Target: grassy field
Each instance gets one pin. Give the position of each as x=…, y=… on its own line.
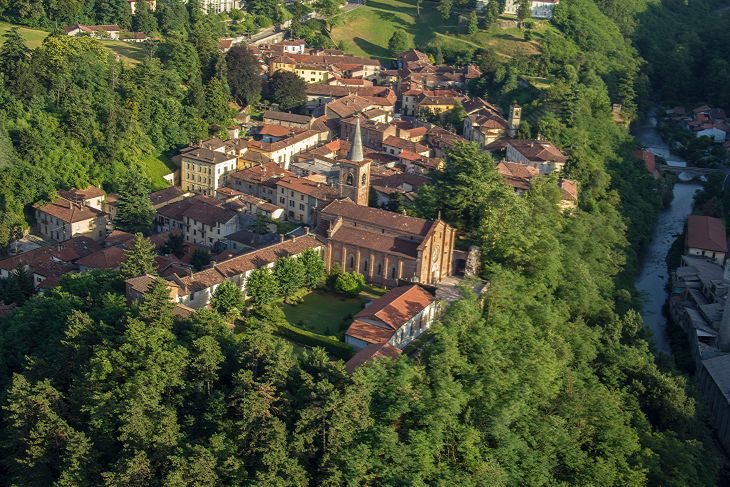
x=33, y=37
x=327, y=313
x=155, y=168
x=367, y=29
x=129, y=52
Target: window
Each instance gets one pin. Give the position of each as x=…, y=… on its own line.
x=301, y=206
x=363, y=180
x=349, y=180
x=291, y=204
x=380, y=269
x=392, y=272
x=282, y=200
x=352, y=262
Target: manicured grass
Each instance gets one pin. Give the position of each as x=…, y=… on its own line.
x=129, y=52
x=327, y=313
x=33, y=37
x=366, y=30
x=155, y=167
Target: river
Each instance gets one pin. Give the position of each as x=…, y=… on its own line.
x=653, y=278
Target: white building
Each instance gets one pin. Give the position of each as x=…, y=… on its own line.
x=397, y=318
x=203, y=170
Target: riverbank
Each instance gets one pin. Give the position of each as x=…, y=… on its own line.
x=652, y=281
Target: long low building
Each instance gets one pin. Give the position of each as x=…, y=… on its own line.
x=196, y=289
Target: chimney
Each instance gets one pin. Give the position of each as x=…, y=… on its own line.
x=306, y=230
x=281, y=238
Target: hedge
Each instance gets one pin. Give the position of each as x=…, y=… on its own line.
x=306, y=337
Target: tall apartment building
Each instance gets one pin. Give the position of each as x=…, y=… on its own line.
x=203, y=171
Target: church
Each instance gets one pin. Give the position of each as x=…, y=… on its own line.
x=386, y=247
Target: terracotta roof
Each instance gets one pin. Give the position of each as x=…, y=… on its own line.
x=69, y=211
x=369, y=333
x=108, y=258
x=287, y=117
x=413, y=55
x=397, y=306
x=67, y=251
x=281, y=144
x=142, y=283
x=164, y=195
x=261, y=173
x=707, y=233
x=569, y=189
x=375, y=216
x=208, y=214
x=349, y=105
x=206, y=155
x=87, y=193
x=372, y=352
x=246, y=262
x=405, y=144
x=538, y=150
x=274, y=130
x=316, y=190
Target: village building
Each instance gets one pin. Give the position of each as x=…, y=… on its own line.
x=384, y=246
x=397, y=318
x=706, y=237
x=64, y=218
x=291, y=120
x=539, y=154
x=539, y=9
x=197, y=288
x=260, y=180
x=99, y=31
x=204, y=170
x=279, y=143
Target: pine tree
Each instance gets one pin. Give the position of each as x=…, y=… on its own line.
x=444, y=7
x=46, y=450
x=139, y=259
x=143, y=19
x=261, y=287
x=217, y=112
x=473, y=25
x=157, y=305
x=134, y=210
x=13, y=55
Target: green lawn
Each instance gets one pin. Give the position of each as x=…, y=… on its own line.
x=129, y=52
x=33, y=37
x=327, y=313
x=155, y=167
x=367, y=29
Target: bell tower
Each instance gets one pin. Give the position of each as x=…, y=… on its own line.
x=355, y=171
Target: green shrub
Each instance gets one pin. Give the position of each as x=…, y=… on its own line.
x=349, y=283
x=305, y=337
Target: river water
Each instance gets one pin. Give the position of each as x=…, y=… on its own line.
x=653, y=278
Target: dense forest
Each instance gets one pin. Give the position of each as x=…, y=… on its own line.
x=549, y=381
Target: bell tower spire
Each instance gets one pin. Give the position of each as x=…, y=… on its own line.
x=356, y=154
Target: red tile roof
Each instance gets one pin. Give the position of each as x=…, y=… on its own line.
x=375, y=216
x=707, y=233
x=397, y=306
x=538, y=150
x=372, y=352
x=108, y=258
x=69, y=211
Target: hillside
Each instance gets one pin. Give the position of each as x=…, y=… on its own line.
x=367, y=29
x=130, y=53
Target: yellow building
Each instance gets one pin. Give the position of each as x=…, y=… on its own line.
x=312, y=74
